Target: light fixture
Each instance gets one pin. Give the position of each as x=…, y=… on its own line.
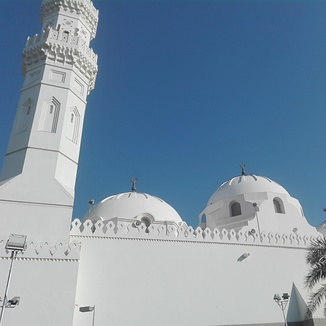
x=12, y=303
x=243, y=256
x=86, y=309
x=282, y=303
x=16, y=243
x=89, y=309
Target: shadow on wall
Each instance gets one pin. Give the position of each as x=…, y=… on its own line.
x=297, y=309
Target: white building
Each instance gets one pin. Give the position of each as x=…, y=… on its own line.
x=132, y=260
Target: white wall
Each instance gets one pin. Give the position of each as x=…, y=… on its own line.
x=148, y=280
x=45, y=280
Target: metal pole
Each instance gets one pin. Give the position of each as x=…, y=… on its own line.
x=13, y=256
x=93, y=316
x=283, y=308
x=258, y=226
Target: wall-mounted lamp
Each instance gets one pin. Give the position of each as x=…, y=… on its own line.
x=243, y=256
x=16, y=242
x=12, y=303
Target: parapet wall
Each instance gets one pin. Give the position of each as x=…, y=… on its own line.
x=186, y=233
x=59, y=251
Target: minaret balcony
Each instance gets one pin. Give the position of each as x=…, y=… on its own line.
x=63, y=39
x=62, y=47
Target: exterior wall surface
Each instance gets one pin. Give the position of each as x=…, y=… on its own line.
x=187, y=280
x=45, y=280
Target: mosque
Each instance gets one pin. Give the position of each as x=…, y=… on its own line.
x=132, y=260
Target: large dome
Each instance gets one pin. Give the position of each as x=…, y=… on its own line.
x=133, y=205
x=244, y=184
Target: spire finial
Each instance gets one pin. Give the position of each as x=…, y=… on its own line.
x=243, y=166
x=133, y=180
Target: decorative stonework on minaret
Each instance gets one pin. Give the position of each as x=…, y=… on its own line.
x=39, y=172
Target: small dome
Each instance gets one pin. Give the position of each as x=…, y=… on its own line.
x=133, y=205
x=244, y=184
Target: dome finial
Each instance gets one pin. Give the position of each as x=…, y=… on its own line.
x=242, y=166
x=133, y=180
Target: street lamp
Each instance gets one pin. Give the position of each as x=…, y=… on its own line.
x=16, y=243
x=88, y=309
x=282, y=303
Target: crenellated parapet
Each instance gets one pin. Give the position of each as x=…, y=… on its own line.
x=44, y=251
x=186, y=233
x=83, y=8
x=59, y=46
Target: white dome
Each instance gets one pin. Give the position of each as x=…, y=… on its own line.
x=133, y=205
x=244, y=184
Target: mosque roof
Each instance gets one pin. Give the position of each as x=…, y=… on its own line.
x=246, y=183
x=133, y=205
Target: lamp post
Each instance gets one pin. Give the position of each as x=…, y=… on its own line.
x=282, y=303
x=16, y=243
x=88, y=309
x=256, y=208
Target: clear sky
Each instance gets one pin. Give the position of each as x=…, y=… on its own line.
x=189, y=89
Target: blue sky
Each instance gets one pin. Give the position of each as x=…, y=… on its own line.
x=187, y=90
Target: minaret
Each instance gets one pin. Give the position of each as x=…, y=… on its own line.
x=39, y=172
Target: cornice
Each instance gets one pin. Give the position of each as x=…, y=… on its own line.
x=83, y=8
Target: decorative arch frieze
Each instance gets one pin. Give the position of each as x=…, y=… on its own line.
x=185, y=233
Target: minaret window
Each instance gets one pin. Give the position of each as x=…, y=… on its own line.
x=235, y=209
x=65, y=35
x=278, y=206
x=50, y=115
x=23, y=121
x=73, y=125
x=147, y=221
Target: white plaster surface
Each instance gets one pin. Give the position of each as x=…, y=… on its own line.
x=146, y=281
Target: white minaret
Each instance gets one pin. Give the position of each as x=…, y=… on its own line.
x=39, y=172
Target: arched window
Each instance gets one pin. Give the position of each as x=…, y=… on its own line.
x=278, y=206
x=147, y=223
x=203, y=219
x=235, y=209
x=65, y=35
